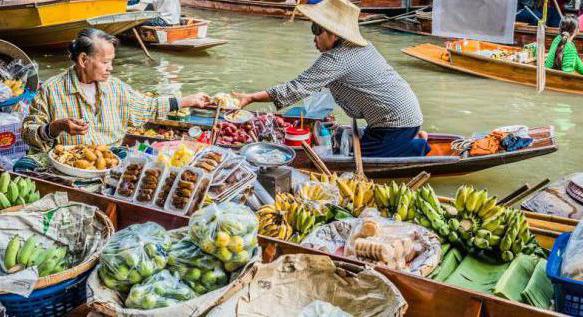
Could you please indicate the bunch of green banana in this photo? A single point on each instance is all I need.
(18, 191)
(430, 214)
(395, 200)
(47, 260)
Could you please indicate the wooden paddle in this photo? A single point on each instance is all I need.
(357, 150)
(419, 180)
(523, 194)
(313, 156)
(139, 38)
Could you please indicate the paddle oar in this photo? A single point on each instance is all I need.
(313, 156)
(527, 192)
(513, 194)
(540, 50)
(418, 181)
(356, 147)
(139, 38)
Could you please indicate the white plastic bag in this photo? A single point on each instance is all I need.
(572, 266)
(321, 101)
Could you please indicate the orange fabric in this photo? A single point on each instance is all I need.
(488, 145)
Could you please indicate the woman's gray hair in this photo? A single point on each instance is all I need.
(85, 42)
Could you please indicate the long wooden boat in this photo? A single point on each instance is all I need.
(393, 6)
(60, 35)
(441, 161)
(275, 8)
(425, 297)
(420, 24)
(468, 61)
(189, 36)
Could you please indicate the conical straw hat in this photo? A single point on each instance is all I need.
(337, 16)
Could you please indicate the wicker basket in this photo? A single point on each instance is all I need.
(84, 266)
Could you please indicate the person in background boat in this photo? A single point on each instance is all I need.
(86, 105)
(530, 11)
(361, 81)
(169, 11)
(563, 52)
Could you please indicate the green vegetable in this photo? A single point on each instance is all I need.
(27, 250)
(11, 252)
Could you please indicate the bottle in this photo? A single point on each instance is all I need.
(325, 137)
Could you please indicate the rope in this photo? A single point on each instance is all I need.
(462, 145)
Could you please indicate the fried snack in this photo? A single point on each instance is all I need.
(87, 157)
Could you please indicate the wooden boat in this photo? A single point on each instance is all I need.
(468, 61)
(275, 8)
(425, 297)
(190, 35)
(61, 34)
(393, 6)
(439, 162)
(421, 24)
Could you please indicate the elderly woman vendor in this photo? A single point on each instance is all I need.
(360, 80)
(86, 105)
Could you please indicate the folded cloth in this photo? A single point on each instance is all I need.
(487, 145)
(513, 142)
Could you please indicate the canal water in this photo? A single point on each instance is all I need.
(265, 51)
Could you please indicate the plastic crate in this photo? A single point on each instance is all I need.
(11, 143)
(568, 292)
(52, 301)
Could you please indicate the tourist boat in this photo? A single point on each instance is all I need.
(441, 161)
(278, 9)
(190, 35)
(425, 297)
(466, 58)
(56, 23)
(420, 23)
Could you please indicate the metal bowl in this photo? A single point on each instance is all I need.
(253, 151)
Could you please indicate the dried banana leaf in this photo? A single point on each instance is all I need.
(515, 279)
(477, 275)
(450, 262)
(539, 290)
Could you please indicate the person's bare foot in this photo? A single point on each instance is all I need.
(423, 135)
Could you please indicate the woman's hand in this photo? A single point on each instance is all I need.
(199, 100)
(71, 126)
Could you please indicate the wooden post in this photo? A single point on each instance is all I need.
(540, 50)
(357, 150)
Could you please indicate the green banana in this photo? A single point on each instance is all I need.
(37, 257)
(11, 252)
(27, 250)
(32, 197)
(23, 188)
(20, 201)
(4, 182)
(487, 206)
(12, 193)
(4, 201)
(32, 185)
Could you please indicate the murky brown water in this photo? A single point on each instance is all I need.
(265, 51)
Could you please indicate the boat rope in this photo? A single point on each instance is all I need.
(462, 145)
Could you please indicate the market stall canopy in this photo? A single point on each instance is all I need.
(484, 20)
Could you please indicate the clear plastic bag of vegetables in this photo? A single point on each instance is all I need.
(134, 254)
(162, 289)
(201, 271)
(227, 231)
(572, 265)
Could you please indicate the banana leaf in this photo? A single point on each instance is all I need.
(450, 262)
(477, 275)
(539, 290)
(514, 280)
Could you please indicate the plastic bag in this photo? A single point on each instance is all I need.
(319, 102)
(202, 272)
(134, 254)
(5, 92)
(227, 231)
(162, 289)
(572, 265)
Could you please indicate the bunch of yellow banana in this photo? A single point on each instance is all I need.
(273, 223)
(356, 194)
(313, 191)
(15, 85)
(323, 178)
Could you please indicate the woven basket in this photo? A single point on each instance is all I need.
(81, 268)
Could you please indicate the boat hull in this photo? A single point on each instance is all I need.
(477, 65)
(49, 13)
(60, 35)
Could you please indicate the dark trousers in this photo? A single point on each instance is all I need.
(393, 142)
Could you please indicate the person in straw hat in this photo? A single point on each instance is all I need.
(362, 83)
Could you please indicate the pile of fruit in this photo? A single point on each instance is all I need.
(227, 231)
(86, 157)
(18, 191)
(19, 256)
(181, 157)
(201, 271)
(16, 86)
(159, 290)
(134, 254)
